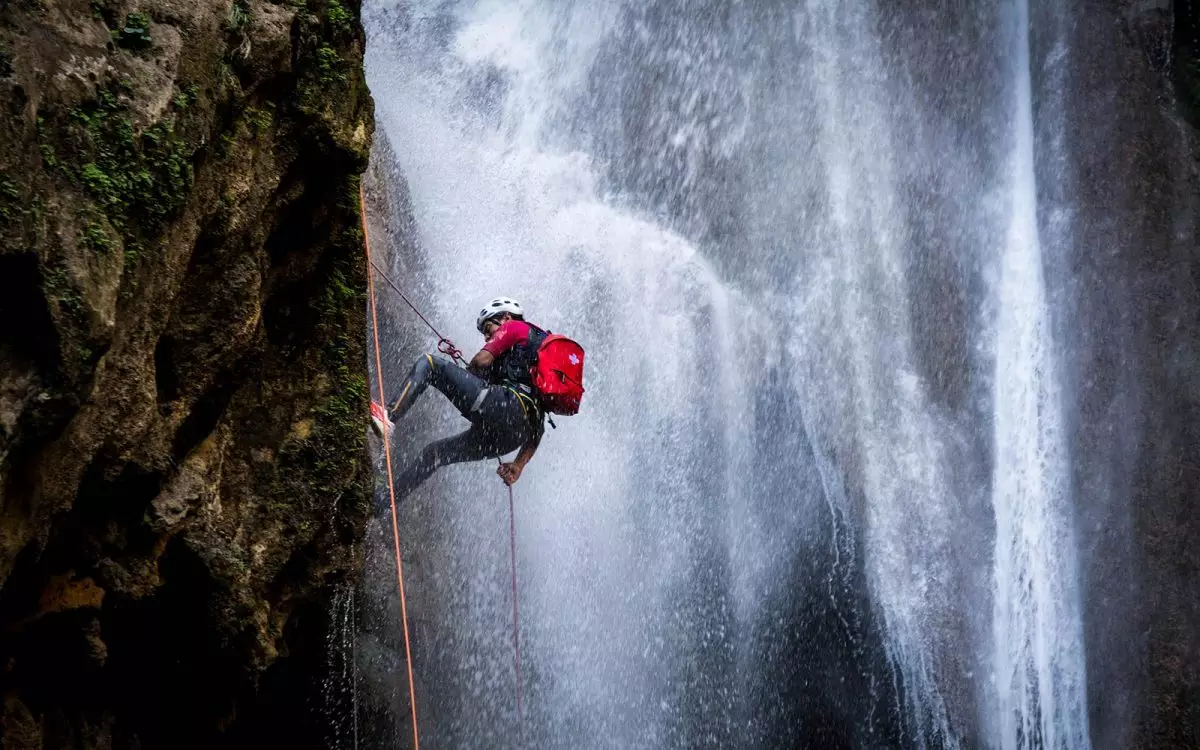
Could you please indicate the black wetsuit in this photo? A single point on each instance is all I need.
(503, 418)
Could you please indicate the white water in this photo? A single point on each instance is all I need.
(857, 306)
(650, 541)
(502, 213)
(1039, 657)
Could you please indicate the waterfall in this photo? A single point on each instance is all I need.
(340, 688)
(1039, 669)
(819, 491)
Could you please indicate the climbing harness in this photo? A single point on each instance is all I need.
(387, 451)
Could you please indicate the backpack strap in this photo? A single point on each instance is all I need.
(517, 365)
(536, 337)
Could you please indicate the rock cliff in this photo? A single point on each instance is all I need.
(182, 368)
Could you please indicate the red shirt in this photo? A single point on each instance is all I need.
(509, 334)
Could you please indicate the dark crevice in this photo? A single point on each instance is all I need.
(18, 100)
(1185, 58)
(301, 218)
(105, 520)
(19, 597)
(186, 350)
(287, 709)
(290, 314)
(107, 493)
(55, 649)
(296, 568)
(168, 668)
(26, 328)
(166, 376)
(207, 411)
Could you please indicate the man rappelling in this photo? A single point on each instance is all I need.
(521, 373)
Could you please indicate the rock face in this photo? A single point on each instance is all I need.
(1132, 121)
(182, 367)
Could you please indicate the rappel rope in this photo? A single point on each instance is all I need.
(387, 452)
(512, 536)
(447, 347)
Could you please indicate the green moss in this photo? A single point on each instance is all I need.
(225, 144)
(10, 198)
(133, 251)
(331, 455)
(331, 88)
(342, 412)
(140, 180)
(59, 288)
(46, 145)
(333, 450)
(185, 98)
(329, 66)
(20, 213)
(135, 33)
(99, 182)
(227, 82)
(95, 237)
(6, 68)
(260, 120)
(339, 424)
(240, 16)
(339, 18)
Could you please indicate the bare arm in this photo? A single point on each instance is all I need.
(481, 362)
(511, 472)
(525, 455)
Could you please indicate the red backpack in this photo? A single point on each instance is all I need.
(558, 374)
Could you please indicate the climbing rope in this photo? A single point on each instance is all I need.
(512, 535)
(445, 345)
(387, 451)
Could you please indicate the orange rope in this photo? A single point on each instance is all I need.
(387, 452)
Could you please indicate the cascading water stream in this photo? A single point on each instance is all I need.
(818, 491)
(341, 682)
(1039, 656)
(503, 211)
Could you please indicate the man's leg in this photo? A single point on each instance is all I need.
(464, 389)
(501, 428)
(474, 444)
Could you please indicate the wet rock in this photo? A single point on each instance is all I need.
(181, 283)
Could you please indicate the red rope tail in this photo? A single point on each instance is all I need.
(512, 534)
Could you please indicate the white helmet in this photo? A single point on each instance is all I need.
(498, 306)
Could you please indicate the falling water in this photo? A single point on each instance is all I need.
(819, 490)
(340, 690)
(1038, 625)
